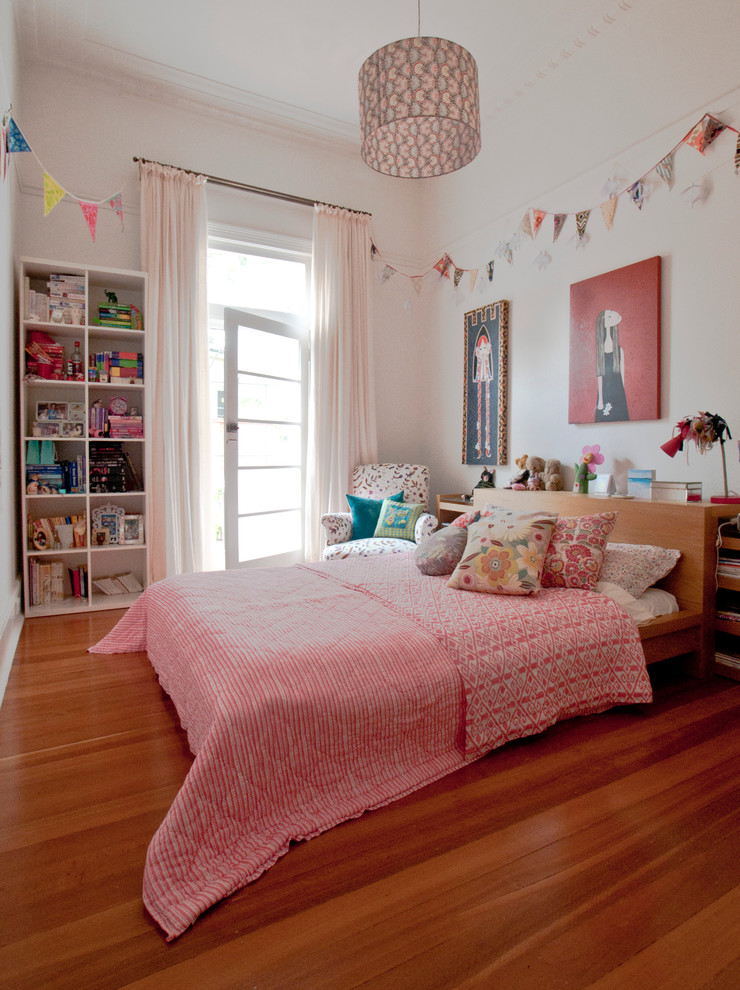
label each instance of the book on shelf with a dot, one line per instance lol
(46, 581)
(78, 580)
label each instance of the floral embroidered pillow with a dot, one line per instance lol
(505, 553)
(637, 566)
(440, 553)
(397, 520)
(576, 552)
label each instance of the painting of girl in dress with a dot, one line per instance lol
(615, 346)
(485, 384)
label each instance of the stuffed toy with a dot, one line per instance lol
(519, 481)
(536, 468)
(552, 478)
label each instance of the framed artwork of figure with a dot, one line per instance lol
(485, 385)
(615, 345)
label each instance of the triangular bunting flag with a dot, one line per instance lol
(457, 276)
(537, 217)
(387, 274)
(417, 281)
(637, 193)
(473, 278)
(608, 210)
(702, 135)
(3, 152)
(489, 270)
(665, 170)
(737, 154)
(558, 222)
(581, 221)
(115, 205)
(373, 249)
(53, 192)
(14, 140)
(443, 266)
(526, 225)
(90, 211)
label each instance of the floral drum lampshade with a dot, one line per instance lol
(419, 112)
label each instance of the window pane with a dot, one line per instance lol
(255, 282)
(265, 398)
(269, 444)
(268, 489)
(268, 353)
(263, 536)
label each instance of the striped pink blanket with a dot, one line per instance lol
(312, 694)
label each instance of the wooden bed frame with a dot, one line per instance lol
(690, 527)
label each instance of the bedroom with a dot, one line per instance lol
(91, 130)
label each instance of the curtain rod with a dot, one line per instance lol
(233, 184)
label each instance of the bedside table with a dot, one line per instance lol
(449, 507)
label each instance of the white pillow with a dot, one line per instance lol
(649, 605)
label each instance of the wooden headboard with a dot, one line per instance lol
(690, 527)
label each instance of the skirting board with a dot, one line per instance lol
(9, 636)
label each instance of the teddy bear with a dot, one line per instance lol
(552, 478)
(519, 481)
(536, 468)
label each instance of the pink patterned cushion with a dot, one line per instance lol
(637, 566)
(505, 553)
(576, 552)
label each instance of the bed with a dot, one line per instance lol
(314, 693)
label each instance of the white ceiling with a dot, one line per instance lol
(611, 71)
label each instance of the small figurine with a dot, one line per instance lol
(584, 474)
(486, 479)
(112, 298)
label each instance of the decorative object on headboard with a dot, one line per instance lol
(485, 384)
(584, 474)
(487, 479)
(705, 429)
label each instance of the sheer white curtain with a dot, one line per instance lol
(174, 242)
(341, 421)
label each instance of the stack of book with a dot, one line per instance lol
(97, 419)
(116, 367)
(120, 585)
(121, 315)
(66, 292)
(108, 468)
(126, 427)
(46, 581)
(676, 491)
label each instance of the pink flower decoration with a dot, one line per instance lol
(592, 455)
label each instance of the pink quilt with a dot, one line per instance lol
(312, 694)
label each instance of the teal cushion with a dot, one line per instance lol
(398, 521)
(365, 514)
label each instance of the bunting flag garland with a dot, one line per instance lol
(558, 222)
(581, 221)
(608, 209)
(90, 212)
(664, 169)
(53, 193)
(417, 281)
(387, 274)
(701, 136)
(14, 140)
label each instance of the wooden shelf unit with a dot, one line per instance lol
(727, 656)
(449, 507)
(100, 561)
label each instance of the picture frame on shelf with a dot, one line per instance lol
(133, 530)
(76, 412)
(46, 429)
(49, 412)
(109, 517)
(100, 537)
(69, 429)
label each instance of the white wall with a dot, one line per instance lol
(700, 248)
(9, 583)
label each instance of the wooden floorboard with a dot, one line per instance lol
(603, 853)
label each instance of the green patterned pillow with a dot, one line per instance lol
(398, 519)
(505, 553)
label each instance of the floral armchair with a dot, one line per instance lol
(378, 481)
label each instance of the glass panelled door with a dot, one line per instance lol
(264, 399)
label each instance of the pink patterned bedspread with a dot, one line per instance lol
(311, 694)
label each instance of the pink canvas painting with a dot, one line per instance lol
(615, 345)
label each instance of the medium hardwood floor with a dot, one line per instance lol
(603, 853)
